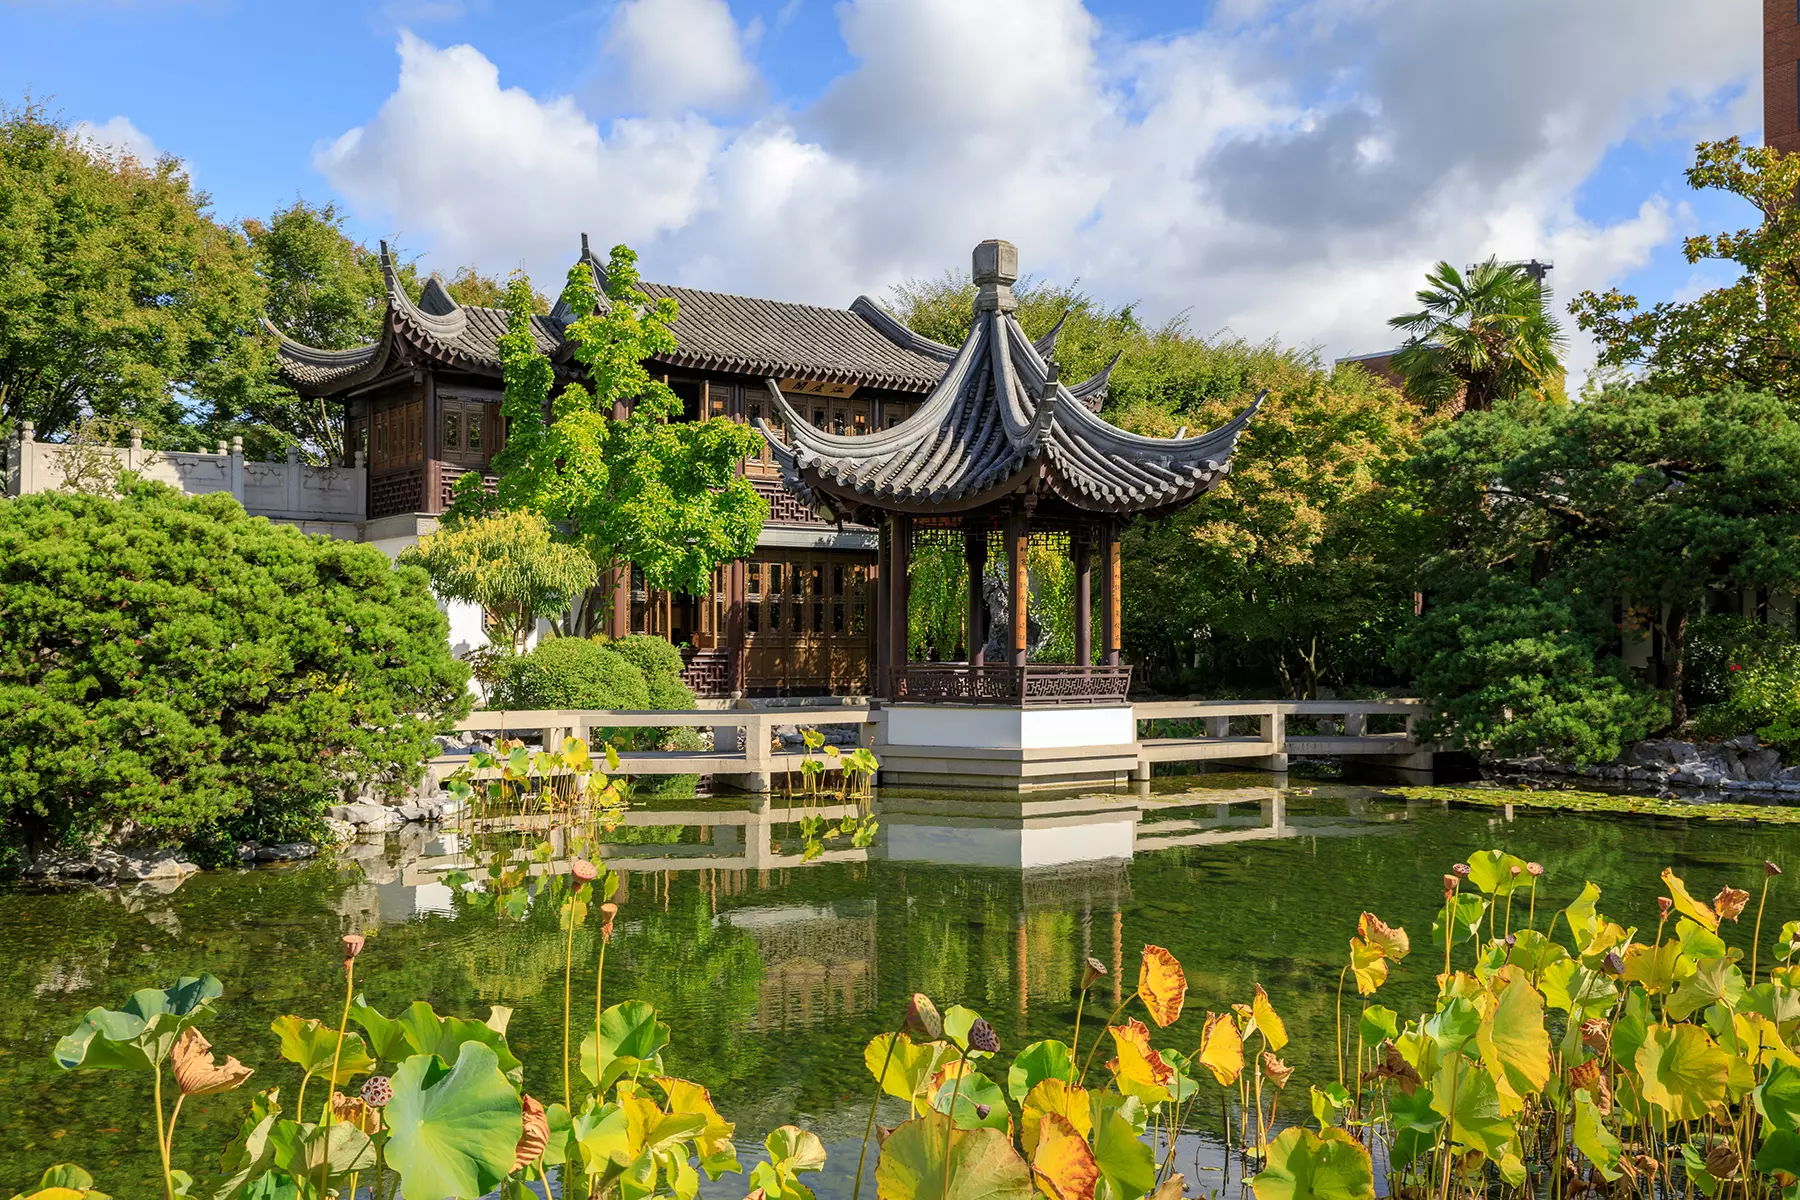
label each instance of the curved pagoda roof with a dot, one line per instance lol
(999, 422)
(863, 345)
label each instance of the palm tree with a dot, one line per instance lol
(1485, 335)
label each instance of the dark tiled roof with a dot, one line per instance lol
(863, 344)
(720, 332)
(998, 422)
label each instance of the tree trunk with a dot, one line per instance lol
(1675, 649)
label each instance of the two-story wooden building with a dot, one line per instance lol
(421, 407)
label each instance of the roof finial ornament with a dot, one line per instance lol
(996, 270)
(584, 247)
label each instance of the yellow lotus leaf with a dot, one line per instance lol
(1683, 1070)
(1139, 1069)
(1058, 1097)
(1514, 1045)
(1369, 966)
(1730, 902)
(1759, 1040)
(714, 1139)
(1391, 940)
(1689, 907)
(1062, 1165)
(1161, 986)
(1607, 935)
(1267, 1022)
(1222, 1048)
(1652, 967)
(956, 1068)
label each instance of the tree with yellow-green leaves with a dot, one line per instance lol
(509, 563)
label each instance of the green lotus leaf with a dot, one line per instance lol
(977, 1090)
(1631, 1028)
(1714, 981)
(1378, 1022)
(1465, 913)
(1780, 1152)
(1303, 1165)
(310, 1044)
(1514, 1045)
(602, 1136)
(1693, 1158)
(1532, 951)
(453, 1129)
(1127, 1164)
(1417, 1125)
(1583, 916)
(1036, 1063)
(792, 1152)
(562, 1127)
(982, 1163)
(1594, 1139)
(303, 1150)
(631, 1040)
(1329, 1104)
(1577, 990)
(139, 1036)
(1477, 1121)
(65, 1181)
(1778, 1097)
(1492, 872)
(1776, 1001)
(1683, 1070)
(909, 1067)
(1698, 943)
(1454, 1023)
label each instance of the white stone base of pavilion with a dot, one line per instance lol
(1006, 748)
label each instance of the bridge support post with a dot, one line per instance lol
(1274, 734)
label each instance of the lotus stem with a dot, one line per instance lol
(599, 979)
(337, 1050)
(162, 1145)
(1508, 929)
(1340, 1023)
(1080, 1079)
(1075, 1042)
(568, 969)
(869, 1129)
(1756, 937)
(950, 1118)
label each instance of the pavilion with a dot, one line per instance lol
(1001, 450)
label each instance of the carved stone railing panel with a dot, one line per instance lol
(1035, 685)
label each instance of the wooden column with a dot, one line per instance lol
(1084, 597)
(737, 598)
(434, 448)
(1018, 584)
(899, 590)
(975, 559)
(878, 604)
(1111, 610)
(618, 621)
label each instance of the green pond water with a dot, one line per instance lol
(773, 973)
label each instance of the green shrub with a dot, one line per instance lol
(571, 673)
(172, 667)
(661, 664)
(1763, 698)
(1721, 647)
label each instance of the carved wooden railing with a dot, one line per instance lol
(1036, 685)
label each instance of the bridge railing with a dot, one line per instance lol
(1336, 728)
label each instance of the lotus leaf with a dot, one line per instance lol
(1577, 990)
(1701, 914)
(909, 1067)
(1377, 1024)
(139, 1036)
(713, 1141)
(1493, 871)
(1417, 1126)
(1036, 1063)
(1778, 1097)
(303, 1150)
(1514, 1045)
(1683, 1070)
(1329, 1104)
(957, 1023)
(309, 1045)
(1062, 1164)
(1652, 967)
(1594, 1139)
(1268, 1024)
(1391, 940)
(1161, 986)
(973, 1093)
(1368, 965)
(1127, 1164)
(1054, 1096)
(453, 1129)
(65, 1181)
(1222, 1048)
(1138, 1068)
(1465, 911)
(1632, 1026)
(1477, 1121)
(1780, 1152)
(631, 1039)
(1456, 1021)
(1697, 942)
(649, 1128)
(601, 1135)
(1303, 1165)
(1583, 916)
(982, 1163)
(1714, 981)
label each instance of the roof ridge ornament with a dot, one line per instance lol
(1046, 408)
(996, 269)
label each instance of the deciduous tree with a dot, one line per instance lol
(509, 563)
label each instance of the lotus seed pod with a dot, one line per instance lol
(583, 870)
(983, 1038)
(923, 1024)
(377, 1090)
(1769, 868)
(1092, 971)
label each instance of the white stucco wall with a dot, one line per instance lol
(997, 727)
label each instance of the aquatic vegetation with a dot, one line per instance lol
(856, 775)
(1572, 800)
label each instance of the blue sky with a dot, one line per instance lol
(1276, 167)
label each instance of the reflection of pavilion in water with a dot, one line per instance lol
(1053, 892)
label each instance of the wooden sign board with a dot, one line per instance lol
(817, 387)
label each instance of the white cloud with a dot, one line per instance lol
(683, 54)
(118, 136)
(1290, 172)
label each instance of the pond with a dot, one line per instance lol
(774, 973)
